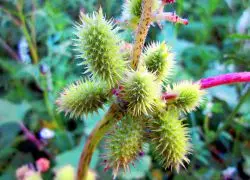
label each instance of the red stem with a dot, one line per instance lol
(219, 80)
(230, 78)
(30, 136)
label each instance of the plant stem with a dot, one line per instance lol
(26, 33)
(225, 79)
(113, 115)
(9, 50)
(30, 136)
(142, 31)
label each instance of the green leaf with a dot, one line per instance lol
(8, 132)
(64, 140)
(10, 112)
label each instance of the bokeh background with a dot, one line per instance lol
(37, 61)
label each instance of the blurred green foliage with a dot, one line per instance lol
(216, 41)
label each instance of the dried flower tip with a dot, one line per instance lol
(171, 17)
(167, 1)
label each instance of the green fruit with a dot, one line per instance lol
(83, 97)
(140, 91)
(123, 144)
(159, 60)
(189, 96)
(170, 140)
(98, 43)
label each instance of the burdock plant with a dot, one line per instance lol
(145, 106)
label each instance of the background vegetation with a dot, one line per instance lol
(37, 60)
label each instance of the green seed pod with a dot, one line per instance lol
(98, 44)
(82, 98)
(170, 140)
(140, 91)
(159, 60)
(189, 96)
(132, 11)
(123, 144)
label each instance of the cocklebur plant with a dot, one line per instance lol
(140, 111)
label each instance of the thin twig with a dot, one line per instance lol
(11, 15)
(26, 33)
(9, 50)
(30, 136)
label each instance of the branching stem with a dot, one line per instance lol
(115, 114)
(26, 33)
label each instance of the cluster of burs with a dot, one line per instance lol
(147, 117)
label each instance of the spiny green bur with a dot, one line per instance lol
(159, 60)
(137, 92)
(123, 144)
(140, 91)
(189, 96)
(170, 140)
(98, 45)
(82, 98)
